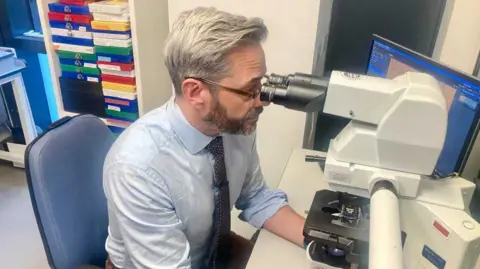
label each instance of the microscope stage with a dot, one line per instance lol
(339, 222)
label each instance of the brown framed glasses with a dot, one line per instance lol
(250, 95)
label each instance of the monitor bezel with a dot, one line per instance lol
(474, 130)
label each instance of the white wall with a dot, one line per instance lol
(289, 48)
(461, 36)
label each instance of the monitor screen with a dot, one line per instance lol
(461, 91)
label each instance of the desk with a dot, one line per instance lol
(300, 181)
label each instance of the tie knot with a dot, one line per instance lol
(215, 146)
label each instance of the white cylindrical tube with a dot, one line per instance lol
(385, 243)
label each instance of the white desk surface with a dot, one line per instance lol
(300, 181)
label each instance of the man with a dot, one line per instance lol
(172, 177)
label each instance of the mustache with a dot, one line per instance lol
(255, 113)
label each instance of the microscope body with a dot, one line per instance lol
(384, 157)
(397, 127)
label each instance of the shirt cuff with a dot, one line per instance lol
(257, 217)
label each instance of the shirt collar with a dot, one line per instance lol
(193, 139)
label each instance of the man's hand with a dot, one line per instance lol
(287, 224)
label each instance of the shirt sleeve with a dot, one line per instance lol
(257, 202)
(145, 217)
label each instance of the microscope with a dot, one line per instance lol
(382, 209)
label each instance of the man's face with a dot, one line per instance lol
(231, 111)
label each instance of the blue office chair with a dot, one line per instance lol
(64, 174)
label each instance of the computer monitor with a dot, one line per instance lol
(461, 91)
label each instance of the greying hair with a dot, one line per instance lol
(200, 40)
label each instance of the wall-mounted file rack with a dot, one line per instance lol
(106, 57)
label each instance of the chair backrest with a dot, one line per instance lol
(64, 174)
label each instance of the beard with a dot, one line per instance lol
(245, 126)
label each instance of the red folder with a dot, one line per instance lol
(77, 2)
(55, 16)
(118, 79)
(122, 66)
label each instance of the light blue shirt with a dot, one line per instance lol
(158, 180)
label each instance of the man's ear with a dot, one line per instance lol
(194, 92)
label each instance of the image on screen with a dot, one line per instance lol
(462, 94)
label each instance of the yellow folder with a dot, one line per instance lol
(119, 87)
(111, 26)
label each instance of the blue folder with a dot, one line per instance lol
(70, 25)
(115, 129)
(72, 40)
(72, 9)
(80, 76)
(75, 62)
(112, 58)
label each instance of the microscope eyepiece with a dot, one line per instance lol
(272, 94)
(277, 79)
(298, 92)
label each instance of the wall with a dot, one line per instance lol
(289, 48)
(461, 43)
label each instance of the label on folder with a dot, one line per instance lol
(116, 108)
